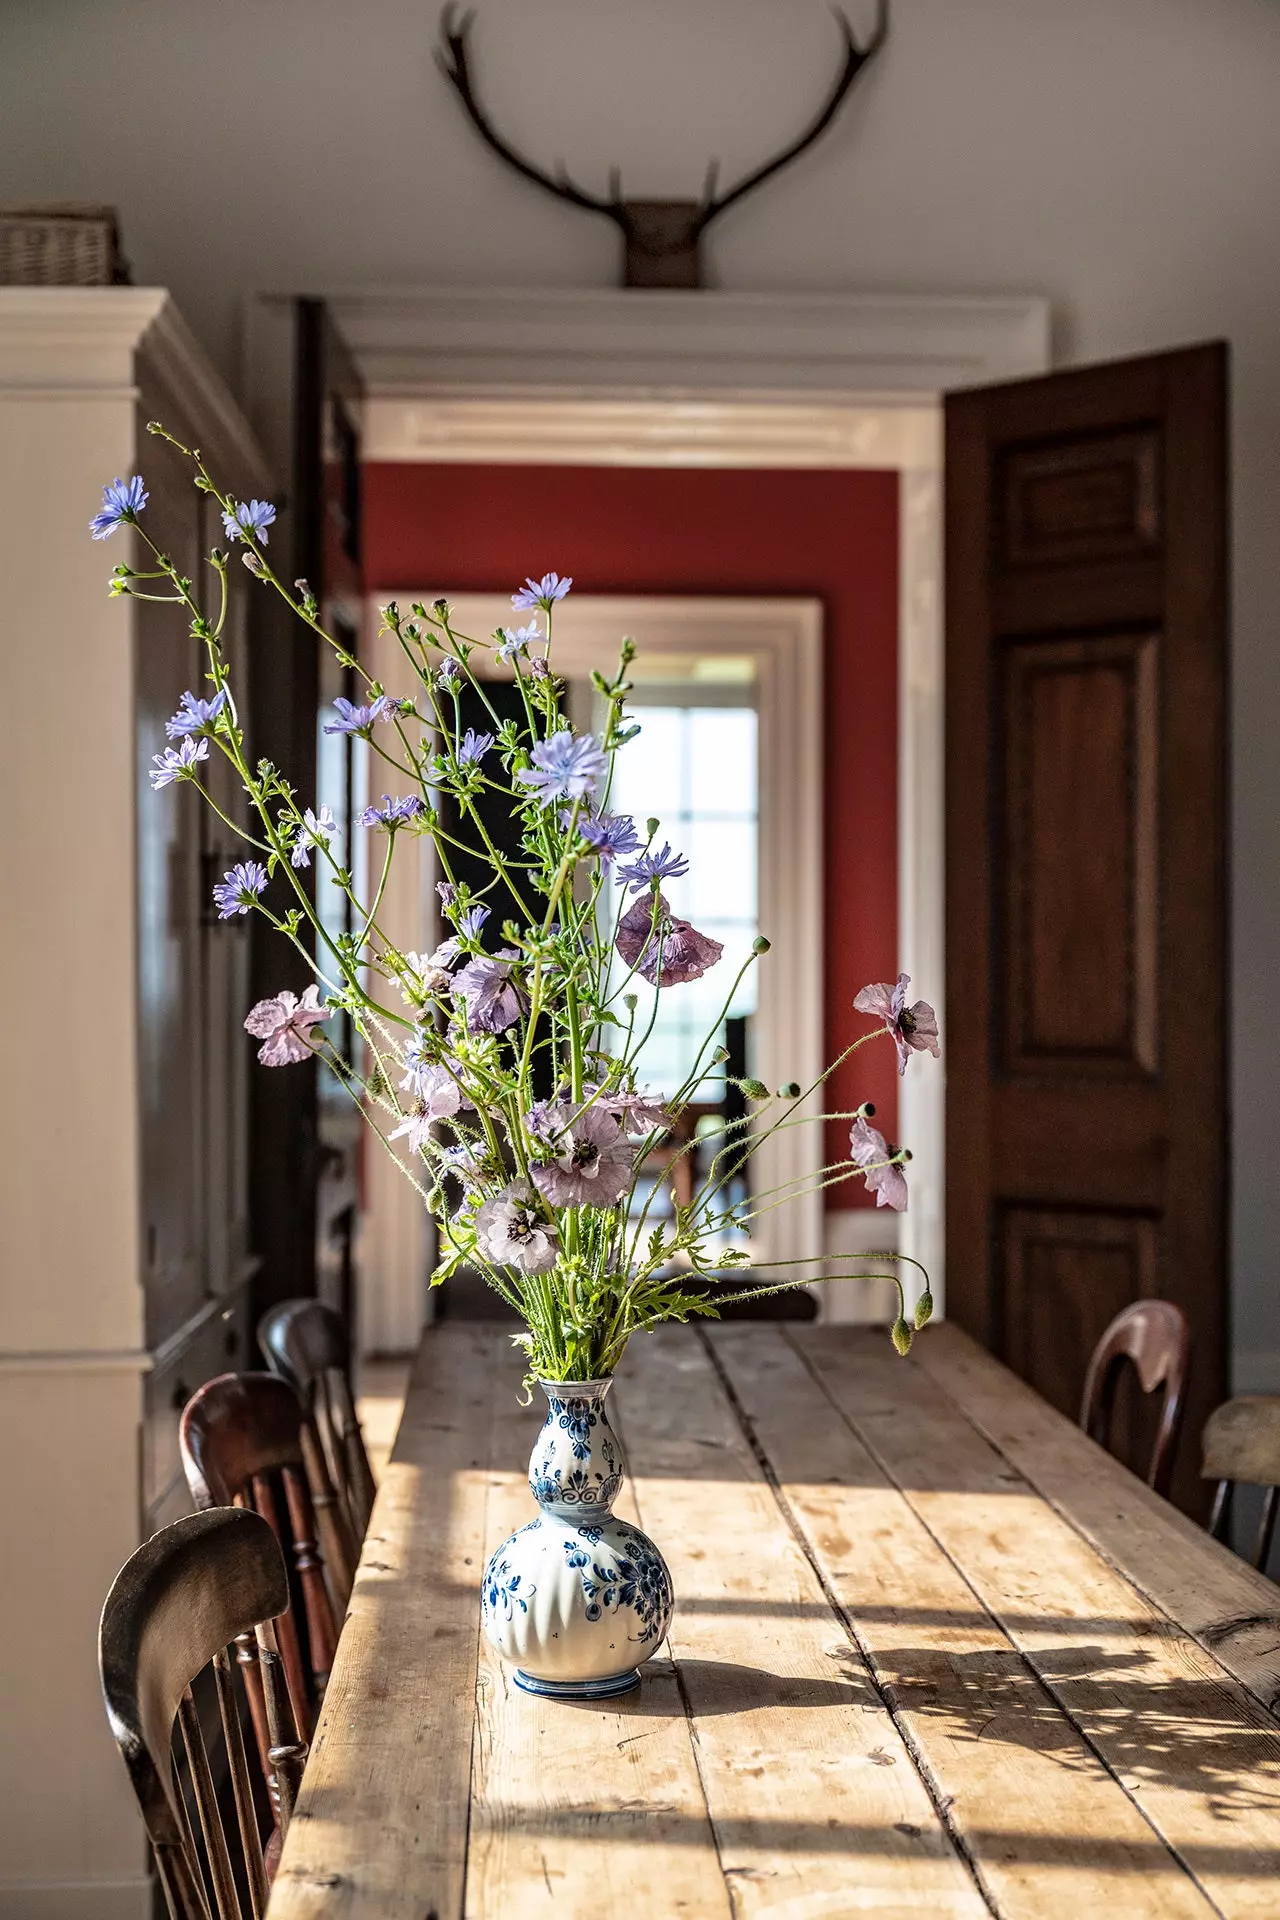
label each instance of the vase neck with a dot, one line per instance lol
(577, 1466)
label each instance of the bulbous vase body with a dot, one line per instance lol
(577, 1600)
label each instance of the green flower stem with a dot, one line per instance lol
(410, 773)
(241, 832)
(499, 864)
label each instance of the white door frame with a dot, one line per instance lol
(616, 377)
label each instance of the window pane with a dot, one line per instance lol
(694, 768)
(722, 869)
(722, 760)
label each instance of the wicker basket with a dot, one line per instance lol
(61, 246)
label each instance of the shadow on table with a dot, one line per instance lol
(1184, 1732)
(725, 1686)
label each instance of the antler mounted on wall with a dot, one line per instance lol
(662, 237)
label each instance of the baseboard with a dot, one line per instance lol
(76, 1899)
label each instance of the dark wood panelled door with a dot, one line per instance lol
(1086, 865)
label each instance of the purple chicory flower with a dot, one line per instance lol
(517, 640)
(177, 763)
(653, 866)
(513, 1231)
(914, 1029)
(354, 719)
(869, 1150)
(448, 671)
(237, 890)
(282, 1025)
(567, 766)
(473, 747)
(249, 516)
(593, 1165)
(316, 831)
(470, 922)
(649, 939)
(466, 1159)
(194, 716)
(122, 501)
(541, 593)
(392, 813)
(609, 834)
(494, 1002)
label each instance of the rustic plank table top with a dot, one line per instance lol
(933, 1652)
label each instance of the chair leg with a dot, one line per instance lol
(1221, 1508)
(1266, 1527)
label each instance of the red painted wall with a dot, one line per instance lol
(831, 536)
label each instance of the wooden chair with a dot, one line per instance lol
(175, 1606)
(1153, 1336)
(1242, 1444)
(306, 1342)
(243, 1437)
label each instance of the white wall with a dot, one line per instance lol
(1122, 158)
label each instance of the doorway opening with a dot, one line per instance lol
(690, 383)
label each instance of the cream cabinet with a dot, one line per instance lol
(124, 1255)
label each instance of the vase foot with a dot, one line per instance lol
(578, 1689)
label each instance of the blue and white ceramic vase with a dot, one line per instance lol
(577, 1600)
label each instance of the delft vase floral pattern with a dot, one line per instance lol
(577, 1599)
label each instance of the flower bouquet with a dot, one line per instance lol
(509, 1060)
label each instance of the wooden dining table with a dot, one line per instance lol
(933, 1652)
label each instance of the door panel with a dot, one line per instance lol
(1086, 890)
(1077, 884)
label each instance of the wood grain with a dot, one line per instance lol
(380, 1826)
(1045, 1823)
(1216, 1597)
(1191, 1747)
(816, 1804)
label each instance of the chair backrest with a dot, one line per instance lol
(306, 1341)
(1242, 1444)
(245, 1438)
(176, 1604)
(1152, 1335)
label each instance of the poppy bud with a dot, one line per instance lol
(924, 1308)
(900, 1334)
(754, 1089)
